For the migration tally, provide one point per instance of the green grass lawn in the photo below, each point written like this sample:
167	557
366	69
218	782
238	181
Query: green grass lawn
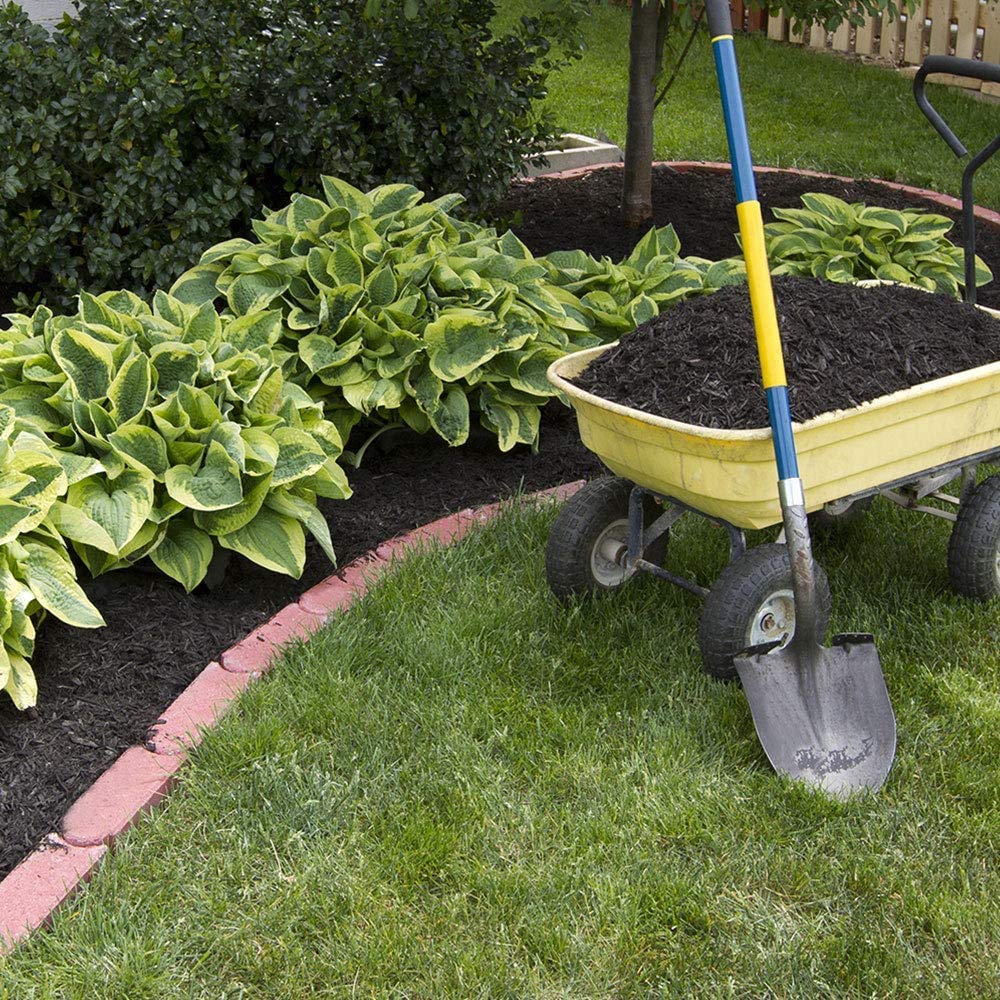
804	109
460	789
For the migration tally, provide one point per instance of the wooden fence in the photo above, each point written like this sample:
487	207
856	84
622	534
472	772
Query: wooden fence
967	28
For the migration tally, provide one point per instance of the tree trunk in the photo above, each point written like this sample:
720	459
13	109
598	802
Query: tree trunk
647	34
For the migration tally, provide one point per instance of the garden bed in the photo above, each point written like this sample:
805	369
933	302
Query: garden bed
99	691
581	212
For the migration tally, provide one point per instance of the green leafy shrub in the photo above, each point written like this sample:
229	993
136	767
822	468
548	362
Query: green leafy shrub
143	131
831	239
394	310
192	434
37	574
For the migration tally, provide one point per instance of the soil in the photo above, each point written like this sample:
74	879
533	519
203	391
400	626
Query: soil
100	690
843	345
582	213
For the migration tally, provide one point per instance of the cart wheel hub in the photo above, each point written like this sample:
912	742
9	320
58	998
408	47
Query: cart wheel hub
773	620
607	558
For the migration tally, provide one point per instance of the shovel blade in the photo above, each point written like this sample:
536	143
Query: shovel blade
823	714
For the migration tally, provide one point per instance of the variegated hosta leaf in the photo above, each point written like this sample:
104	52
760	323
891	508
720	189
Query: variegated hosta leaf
183	553
275	541
214	486
50	577
120	506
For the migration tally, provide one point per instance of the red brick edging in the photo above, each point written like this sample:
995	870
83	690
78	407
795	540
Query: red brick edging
143	775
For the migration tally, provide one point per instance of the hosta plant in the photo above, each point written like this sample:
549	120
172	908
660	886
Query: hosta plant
829	238
193	435
37	574
617	297
392	309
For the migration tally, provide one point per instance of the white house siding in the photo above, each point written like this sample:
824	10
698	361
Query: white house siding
46	12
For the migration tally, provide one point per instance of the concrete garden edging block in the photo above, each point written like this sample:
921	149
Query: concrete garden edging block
142	776
575	152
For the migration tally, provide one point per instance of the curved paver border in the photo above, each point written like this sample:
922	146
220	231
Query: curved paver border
142	776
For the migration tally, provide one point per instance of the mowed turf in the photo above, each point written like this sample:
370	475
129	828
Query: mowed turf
804	108
462	789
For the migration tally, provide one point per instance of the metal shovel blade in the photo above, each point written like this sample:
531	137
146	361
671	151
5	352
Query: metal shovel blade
823	714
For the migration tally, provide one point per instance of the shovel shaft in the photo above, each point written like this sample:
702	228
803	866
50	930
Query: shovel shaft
765	320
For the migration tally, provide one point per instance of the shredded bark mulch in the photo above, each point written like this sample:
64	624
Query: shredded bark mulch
843	345
100	690
582	213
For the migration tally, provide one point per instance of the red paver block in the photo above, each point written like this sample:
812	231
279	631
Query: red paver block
40	883
444	530
197	708
133	784
256	653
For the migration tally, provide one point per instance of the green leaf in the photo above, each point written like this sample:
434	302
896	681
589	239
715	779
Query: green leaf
199	284
183	553
283	502
51	579
230	519
251	293
393	198
340	193
141	448
75	524
20	681
272	540
129	391
175	365
298	455
214	486
87	362
461	340
120	506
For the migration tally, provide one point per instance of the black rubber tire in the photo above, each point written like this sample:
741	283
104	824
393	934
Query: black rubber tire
823	520
735	598
975	544
578	526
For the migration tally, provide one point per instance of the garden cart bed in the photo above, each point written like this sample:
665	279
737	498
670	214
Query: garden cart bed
729	474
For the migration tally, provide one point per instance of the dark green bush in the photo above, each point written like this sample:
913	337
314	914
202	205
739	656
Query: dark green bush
144	130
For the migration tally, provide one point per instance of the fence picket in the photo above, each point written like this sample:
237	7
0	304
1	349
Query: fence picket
887	43
864	39
842	37
967	15
776	27
913	44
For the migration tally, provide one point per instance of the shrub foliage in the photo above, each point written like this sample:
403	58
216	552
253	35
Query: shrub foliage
143	131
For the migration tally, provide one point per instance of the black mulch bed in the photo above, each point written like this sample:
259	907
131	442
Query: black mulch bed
582	213
843	345
100	690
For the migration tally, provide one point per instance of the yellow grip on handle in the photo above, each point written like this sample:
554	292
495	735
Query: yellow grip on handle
772	364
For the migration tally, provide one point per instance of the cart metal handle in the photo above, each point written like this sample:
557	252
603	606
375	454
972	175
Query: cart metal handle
976	70
972	68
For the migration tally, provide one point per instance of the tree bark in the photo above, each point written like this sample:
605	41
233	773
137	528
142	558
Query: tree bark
647	33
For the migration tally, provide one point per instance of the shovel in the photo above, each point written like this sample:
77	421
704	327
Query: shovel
822	713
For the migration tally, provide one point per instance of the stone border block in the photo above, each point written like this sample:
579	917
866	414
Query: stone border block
197	708
133	784
41	882
257	652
